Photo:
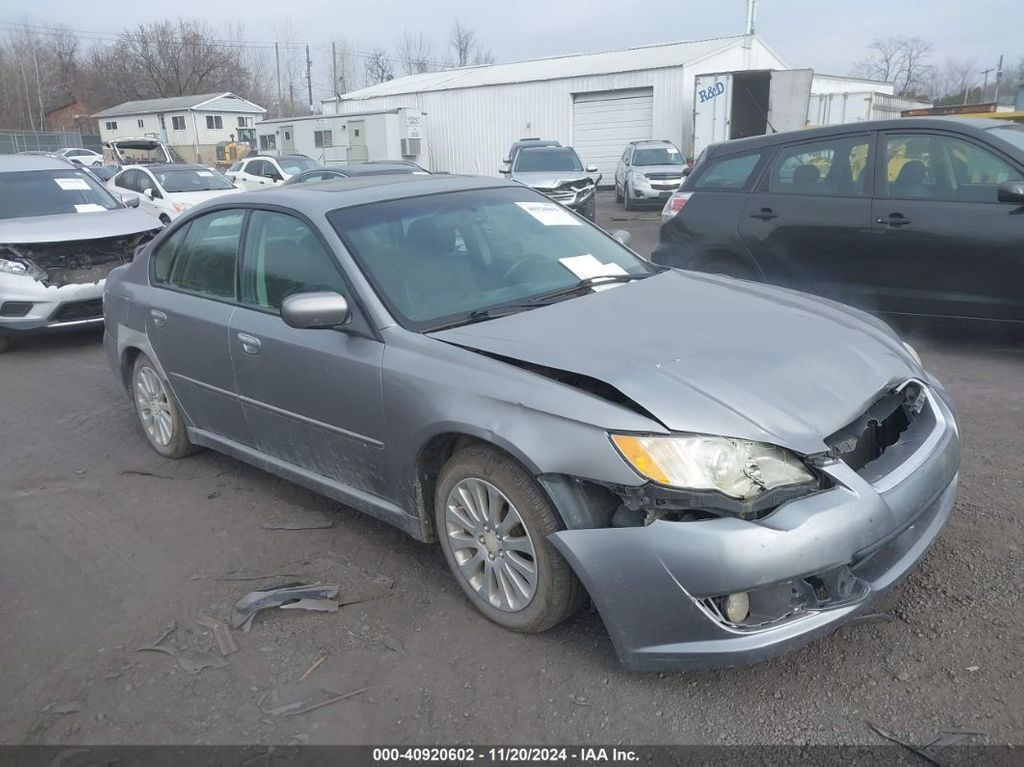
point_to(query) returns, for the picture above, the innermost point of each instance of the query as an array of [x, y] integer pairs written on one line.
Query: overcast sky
[[827, 35]]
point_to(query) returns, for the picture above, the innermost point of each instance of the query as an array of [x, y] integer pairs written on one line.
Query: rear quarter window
[[727, 173]]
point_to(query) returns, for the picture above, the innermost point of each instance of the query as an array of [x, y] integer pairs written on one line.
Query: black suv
[[920, 216]]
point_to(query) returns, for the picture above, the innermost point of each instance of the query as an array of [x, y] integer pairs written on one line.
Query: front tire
[[493, 521], [618, 195], [157, 411], [5, 343], [630, 205]]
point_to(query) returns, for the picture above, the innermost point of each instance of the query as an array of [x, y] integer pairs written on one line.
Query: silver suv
[[648, 171]]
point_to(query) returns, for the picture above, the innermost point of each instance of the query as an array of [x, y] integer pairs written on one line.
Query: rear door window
[[835, 167], [205, 263], [728, 173]]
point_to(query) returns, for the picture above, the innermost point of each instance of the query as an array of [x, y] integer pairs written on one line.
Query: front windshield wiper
[[585, 284]]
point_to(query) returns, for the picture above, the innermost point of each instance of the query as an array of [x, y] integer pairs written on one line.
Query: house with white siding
[[191, 125]]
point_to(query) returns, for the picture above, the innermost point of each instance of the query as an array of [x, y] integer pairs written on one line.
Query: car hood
[[194, 198], [549, 180], [76, 226], [673, 170], [712, 355]]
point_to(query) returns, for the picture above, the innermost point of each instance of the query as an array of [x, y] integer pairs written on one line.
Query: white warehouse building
[[596, 102]]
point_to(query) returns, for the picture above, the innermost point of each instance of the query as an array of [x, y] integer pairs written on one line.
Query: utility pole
[[277, 58], [999, 76], [39, 90], [309, 79], [984, 87], [334, 69]]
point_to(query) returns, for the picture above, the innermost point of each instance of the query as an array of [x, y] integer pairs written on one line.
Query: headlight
[[734, 467], [13, 267], [180, 207], [913, 353], [637, 178]]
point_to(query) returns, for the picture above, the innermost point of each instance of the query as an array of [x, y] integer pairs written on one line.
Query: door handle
[[765, 214], [893, 219], [159, 318], [250, 344]]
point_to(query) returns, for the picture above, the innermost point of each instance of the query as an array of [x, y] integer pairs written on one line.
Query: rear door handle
[[159, 318], [893, 219], [250, 344], [765, 214]]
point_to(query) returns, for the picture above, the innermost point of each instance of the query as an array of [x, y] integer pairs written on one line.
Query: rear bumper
[[652, 584]]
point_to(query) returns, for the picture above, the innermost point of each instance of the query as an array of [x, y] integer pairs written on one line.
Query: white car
[[262, 171], [168, 190], [80, 155]]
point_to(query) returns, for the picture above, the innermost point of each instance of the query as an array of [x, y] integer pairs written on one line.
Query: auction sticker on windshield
[[72, 184], [586, 266], [549, 213], [205, 173]]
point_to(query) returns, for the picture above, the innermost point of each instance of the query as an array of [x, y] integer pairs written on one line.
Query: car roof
[[652, 141], [368, 169], [320, 197], [19, 162], [170, 166], [973, 125]]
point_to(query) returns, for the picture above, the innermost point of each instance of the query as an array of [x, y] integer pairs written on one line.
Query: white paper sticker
[[72, 184], [586, 266], [549, 213], [89, 207], [205, 173]]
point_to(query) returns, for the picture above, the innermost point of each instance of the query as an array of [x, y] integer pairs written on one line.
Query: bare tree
[[899, 60], [414, 53], [952, 80], [462, 40], [482, 56], [379, 68]]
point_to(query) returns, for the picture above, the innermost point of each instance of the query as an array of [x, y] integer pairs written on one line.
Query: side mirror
[[505, 169], [130, 201], [1012, 192], [591, 169], [148, 191], [315, 310], [622, 237], [686, 171], [273, 175]]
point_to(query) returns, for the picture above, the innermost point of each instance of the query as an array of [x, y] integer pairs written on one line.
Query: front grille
[[79, 310], [560, 196], [867, 438], [15, 308]]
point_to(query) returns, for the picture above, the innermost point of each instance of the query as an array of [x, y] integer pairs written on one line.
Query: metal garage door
[[603, 123]]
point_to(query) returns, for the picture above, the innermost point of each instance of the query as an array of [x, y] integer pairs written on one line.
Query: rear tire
[[493, 521], [157, 411]]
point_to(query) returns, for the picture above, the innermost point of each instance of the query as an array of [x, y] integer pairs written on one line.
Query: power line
[[263, 45]]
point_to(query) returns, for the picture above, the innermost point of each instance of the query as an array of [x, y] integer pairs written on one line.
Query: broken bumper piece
[[805, 569]]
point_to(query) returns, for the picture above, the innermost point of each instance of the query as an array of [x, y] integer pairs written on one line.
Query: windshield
[[140, 152], [191, 180], [293, 165], [662, 155], [435, 259], [1013, 134], [547, 159], [51, 192]]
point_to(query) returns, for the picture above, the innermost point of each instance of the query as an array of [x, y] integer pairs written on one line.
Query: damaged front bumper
[[26, 305], [806, 568]]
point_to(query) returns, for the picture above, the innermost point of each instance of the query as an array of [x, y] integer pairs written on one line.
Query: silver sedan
[[727, 469]]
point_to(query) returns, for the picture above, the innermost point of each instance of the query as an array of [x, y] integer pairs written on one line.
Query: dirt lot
[[103, 544]]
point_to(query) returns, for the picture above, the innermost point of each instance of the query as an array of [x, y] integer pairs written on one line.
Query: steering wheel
[[527, 259]]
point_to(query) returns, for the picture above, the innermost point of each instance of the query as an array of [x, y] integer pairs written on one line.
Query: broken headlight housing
[[22, 269], [736, 468]]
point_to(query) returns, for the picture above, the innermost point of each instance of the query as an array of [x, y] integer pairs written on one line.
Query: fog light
[[737, 607]]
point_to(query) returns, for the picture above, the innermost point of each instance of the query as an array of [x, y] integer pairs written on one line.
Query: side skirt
[[370, 504]]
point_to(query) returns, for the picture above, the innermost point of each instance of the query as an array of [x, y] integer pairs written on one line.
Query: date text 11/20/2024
[[503, 754]]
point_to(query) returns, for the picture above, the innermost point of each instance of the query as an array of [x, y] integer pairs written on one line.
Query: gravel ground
[[103, 545]]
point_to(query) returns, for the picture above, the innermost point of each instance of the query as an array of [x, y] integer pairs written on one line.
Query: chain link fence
[[12, 142]]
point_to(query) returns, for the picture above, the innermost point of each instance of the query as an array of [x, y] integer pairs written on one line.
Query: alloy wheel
[[154, 406], [491, 545]]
